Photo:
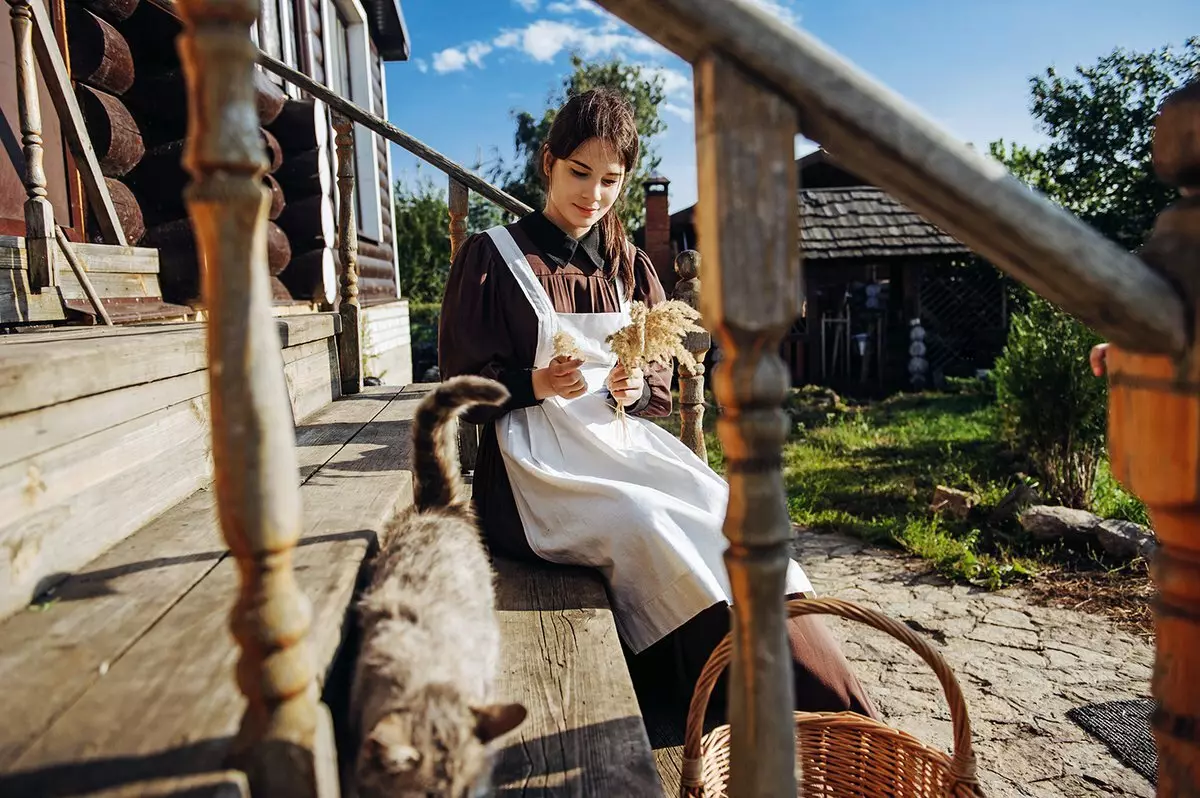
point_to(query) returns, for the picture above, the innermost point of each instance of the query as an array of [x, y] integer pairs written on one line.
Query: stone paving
[[1021, 668]]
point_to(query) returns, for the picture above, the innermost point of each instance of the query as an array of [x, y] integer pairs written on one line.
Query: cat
[[430, 638]]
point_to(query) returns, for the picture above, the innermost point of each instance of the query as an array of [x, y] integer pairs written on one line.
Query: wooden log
[[1154, 447], [691, 380], [306, 172], [279, 250], [39, 214], [278, 201], [113, 10], [745, 140], [269, 98], [376, 287], [285, 742], [113, 132], [309, 223], [875, 134], [370, 250], [100, 55], [160, 99], [301, 126], [152, 33], [350, 340], [178, 236], [312, 276], [376, 269], [274, 151], [129, 211]]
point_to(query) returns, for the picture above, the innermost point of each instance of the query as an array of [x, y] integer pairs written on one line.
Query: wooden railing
[[759, 83]]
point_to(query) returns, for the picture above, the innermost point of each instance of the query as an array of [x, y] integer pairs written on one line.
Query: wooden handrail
[[874, 133]]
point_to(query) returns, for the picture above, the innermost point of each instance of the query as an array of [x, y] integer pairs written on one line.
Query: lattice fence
[[964, 309]]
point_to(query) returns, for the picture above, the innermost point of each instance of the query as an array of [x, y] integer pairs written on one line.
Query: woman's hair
[[606, 115]]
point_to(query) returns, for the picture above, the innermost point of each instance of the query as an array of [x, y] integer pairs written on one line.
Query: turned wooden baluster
[[285, 741], [691, 381], [745, 139], [39, 213], [350, 340], [460, 197], [1154, 444]]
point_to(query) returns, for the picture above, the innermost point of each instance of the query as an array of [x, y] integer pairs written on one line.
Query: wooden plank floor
[[129, 675], [562, 659]]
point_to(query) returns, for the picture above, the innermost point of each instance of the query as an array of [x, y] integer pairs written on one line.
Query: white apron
[[630, 500]]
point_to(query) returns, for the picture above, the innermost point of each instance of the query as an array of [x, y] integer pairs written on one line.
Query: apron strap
[[547, 319]]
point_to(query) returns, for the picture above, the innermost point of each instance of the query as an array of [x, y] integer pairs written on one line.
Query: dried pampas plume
[[564, 345], [656, 334]]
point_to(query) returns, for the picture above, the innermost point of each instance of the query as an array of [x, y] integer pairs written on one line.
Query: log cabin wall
[[129, 83]]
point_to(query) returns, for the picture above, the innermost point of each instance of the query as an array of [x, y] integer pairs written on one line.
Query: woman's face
[[583, 186]]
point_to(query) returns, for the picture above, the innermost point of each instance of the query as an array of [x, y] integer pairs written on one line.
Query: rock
[[1048, 523], [953, 502], [1017, 500], [1125, 539]]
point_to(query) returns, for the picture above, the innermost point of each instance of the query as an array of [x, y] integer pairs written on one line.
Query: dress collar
[[549, 238]]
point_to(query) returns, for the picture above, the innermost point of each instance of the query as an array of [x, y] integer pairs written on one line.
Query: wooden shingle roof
[[865, 222]]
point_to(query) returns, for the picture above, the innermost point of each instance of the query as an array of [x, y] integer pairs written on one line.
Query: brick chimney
[[658, 230]]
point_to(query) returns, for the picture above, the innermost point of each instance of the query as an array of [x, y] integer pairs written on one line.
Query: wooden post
[[350, 341], [691, 382], [460, 200], [39, 213], [1154, 445], [285, 743], [745, 139]]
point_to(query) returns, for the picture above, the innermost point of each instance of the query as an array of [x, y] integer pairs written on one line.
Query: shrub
[[1052, 408], [423, 327]]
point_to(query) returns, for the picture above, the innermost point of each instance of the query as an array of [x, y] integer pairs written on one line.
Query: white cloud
[[779, 8], [546, 38], [683, 112], [455, 59], [674, 83], [528, 5], [573, 6], [422, 65]]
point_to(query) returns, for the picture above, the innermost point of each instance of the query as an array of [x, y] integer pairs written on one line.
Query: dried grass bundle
[[564, 345], [655, 334]]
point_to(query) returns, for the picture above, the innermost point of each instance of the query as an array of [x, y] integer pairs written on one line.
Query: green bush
[[1052, 408]]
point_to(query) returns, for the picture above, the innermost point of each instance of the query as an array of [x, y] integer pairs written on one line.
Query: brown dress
[[488, 328]]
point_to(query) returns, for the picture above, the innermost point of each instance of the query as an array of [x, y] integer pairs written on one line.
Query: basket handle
[[962, 766]]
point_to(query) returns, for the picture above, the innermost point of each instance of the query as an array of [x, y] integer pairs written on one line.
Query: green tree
[[1100, 124], [643, 88], [422, 240]]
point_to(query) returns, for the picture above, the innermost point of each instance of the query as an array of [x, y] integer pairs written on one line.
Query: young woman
[[558, 475]]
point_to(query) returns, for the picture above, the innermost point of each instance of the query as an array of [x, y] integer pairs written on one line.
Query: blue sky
[[964, 63]]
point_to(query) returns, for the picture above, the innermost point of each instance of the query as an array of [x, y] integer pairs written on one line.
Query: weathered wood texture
[[691, 380], [312, 276], [115, 10], [146, 690], [113, 131], [115, 272], [1154, 446], [747, 220], [562, 659], [350, 341], [39, 214], [877, 135], [85, 282], [129, 210], [277, 202], [54, 72], [100, 55], [459, 204]]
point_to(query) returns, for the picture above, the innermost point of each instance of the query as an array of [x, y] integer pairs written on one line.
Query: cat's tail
[[435, 446]]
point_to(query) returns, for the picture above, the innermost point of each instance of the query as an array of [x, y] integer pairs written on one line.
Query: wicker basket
[[842, 754]]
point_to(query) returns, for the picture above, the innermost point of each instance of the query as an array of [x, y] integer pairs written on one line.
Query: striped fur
[[435, 445]]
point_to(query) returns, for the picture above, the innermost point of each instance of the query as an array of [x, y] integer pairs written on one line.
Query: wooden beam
[[350, 341], [691, 381], [54, 72], [285, 741], [874, 133], [1154, 447], [745, 140]]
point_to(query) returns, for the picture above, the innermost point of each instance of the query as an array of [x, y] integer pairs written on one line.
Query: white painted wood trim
[[391, 182]]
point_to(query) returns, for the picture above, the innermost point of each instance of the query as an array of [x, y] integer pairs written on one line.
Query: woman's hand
[[625, 387], [1099, 359], [561, 378]]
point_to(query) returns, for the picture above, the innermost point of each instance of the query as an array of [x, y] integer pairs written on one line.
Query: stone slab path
[[1021, 667]]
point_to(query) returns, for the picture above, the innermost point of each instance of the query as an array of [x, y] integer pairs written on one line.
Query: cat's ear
[[497, 719], [388, 746]]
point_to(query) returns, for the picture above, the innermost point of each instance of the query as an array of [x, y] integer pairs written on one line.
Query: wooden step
[[104, 429], [562, 659], [125, 673]]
